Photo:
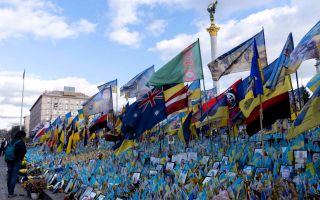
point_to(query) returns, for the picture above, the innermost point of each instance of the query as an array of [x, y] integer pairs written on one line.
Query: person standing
[[14, 155]]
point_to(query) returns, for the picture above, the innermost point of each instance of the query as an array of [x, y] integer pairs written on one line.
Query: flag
[[186, 128], [99, 103], [209, 94], [143, 114], [256, 73], [308, 48], [175, 97], [80, 114], [314, 83], [218, 114], [239, 58], [110, 84], [281, 64], [234, 94], [308, 117], [185, 67], [275, 104], [67, 118], [40, 132], [86, 136], [194, 93], [123, 145], [101, 123], [70, 141], [136, 87]]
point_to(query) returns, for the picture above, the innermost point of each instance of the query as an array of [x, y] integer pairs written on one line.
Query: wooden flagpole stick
[[298, 90], [293, 97], [261, 122]]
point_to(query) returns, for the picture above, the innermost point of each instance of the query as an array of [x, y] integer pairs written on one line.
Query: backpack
[[9, 155]]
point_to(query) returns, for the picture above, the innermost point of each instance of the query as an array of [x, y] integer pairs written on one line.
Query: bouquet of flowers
[[35, 185]]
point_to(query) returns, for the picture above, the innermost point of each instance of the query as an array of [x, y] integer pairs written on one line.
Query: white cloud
[[11, 86], [298, 17], [157, 27], [125, 37], [40, 18]]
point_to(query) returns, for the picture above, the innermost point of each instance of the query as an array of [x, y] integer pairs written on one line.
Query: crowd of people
[[207, 168]]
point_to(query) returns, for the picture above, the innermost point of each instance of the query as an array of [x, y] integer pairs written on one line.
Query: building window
[[55, 106]]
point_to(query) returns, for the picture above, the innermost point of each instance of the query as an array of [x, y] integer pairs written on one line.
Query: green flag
[[185, 67]]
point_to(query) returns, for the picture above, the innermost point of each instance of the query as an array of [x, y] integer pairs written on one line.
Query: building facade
[[26, 125], [52, 104]]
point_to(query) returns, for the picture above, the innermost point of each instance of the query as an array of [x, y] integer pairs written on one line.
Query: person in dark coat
[[14, 166]]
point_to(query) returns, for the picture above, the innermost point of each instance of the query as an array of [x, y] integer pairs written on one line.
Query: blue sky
[[84, 43]]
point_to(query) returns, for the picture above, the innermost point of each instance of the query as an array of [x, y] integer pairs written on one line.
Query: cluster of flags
[[175, 88]]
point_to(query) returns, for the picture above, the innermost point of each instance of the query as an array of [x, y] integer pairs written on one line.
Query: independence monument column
[[213, 31]]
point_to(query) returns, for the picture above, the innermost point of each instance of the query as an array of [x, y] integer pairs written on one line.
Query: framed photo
[[135, 177], [154, 160], [45, 173], [206, 180], [192, 156], [53, 180], [169, 165], [86, 193], [205, 159], [285, 171], [248, 169], [69, 185], [225, 159], [261, 170], [170, 139], [80, 191], [212, 172], [315, 156], [93, 195], [300, 159], [49, 177], [183, 176], [153, 172], [216, 165], [258, 150], [159, 168], [57, 186], [101, 197]]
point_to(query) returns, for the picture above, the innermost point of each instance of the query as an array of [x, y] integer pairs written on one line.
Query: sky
[[85, 43]]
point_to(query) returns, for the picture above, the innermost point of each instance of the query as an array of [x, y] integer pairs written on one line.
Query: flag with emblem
[[184, 67], [143, 114]]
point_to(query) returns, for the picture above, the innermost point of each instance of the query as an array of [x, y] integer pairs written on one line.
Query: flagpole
[[298, 90], [22, 95], [117, 97], [293, 97], [261, 122]]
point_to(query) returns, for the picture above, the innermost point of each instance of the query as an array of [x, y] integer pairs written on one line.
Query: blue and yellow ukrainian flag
[[314, 83]]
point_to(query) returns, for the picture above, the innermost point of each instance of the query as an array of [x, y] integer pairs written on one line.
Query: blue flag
[[136, 87], [186, 128], [99, 103], [112, 84], [143, 114], [282, 61], [256, 73]]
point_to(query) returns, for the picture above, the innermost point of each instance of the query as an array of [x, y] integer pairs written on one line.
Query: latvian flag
[[176, 97]]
